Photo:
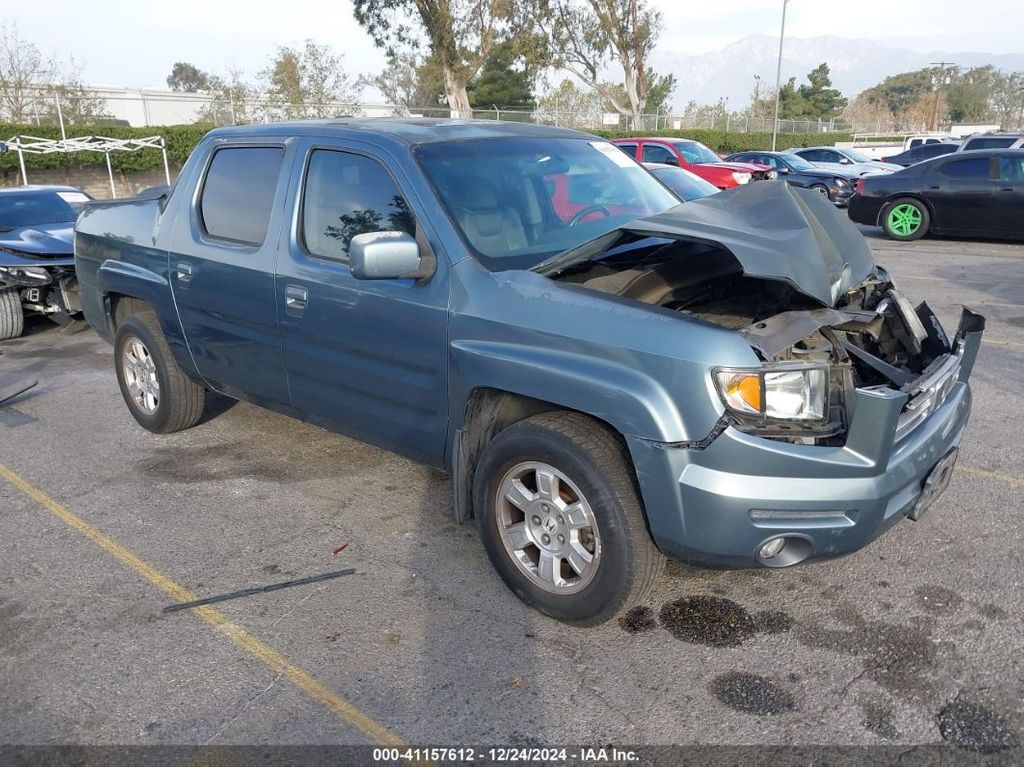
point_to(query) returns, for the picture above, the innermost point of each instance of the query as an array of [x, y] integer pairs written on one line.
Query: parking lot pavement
[[424, 641]]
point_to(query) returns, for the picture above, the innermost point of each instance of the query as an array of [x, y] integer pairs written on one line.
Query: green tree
[[188, 78], [500, 83], [660, 92], [819, 99], [460, 33], [310, 82]]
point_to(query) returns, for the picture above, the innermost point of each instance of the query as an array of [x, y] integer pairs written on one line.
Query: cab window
[[348, 194], [238, 193]]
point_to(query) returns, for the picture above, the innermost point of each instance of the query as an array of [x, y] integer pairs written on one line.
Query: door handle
[[1006, 189], [184, 272], [934, 186], [295, 299]]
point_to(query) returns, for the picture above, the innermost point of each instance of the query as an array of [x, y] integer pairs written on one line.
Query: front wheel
[[561, 519], [12, 319], [820, 189], [158, 393], [905, 219]]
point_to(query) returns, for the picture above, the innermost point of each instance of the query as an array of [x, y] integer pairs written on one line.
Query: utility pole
[[778, 76], [938, 89]]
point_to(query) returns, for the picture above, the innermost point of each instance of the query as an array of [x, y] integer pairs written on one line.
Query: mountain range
[[855, 65]]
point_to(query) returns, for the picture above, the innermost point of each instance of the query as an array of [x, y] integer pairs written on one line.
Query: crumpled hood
[[775, 231], [42, 239], [741, 167]]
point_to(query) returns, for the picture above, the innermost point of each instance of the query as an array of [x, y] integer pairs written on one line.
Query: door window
[[345, 195], [629, 149], [238, 193], [1011, 168], [657, 153], [975, 167], [813, 155]]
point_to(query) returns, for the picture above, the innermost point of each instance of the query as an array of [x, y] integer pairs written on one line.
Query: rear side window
[[629, 149], [990, 142], [345, 195], [238, 193], [976, 167]]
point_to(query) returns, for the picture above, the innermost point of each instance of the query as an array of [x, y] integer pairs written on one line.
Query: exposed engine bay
[[871, 337]]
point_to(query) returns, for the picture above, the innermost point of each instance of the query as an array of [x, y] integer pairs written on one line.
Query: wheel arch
[[489, 411]]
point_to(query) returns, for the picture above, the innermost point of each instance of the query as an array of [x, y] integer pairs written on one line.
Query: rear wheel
[[905, 219], [12, 319], [158, 393], [561, 518]]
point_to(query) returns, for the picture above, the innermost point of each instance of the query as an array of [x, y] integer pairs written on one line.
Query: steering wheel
[[587, 211]]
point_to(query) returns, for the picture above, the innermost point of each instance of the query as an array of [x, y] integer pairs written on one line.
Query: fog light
[[772, 548]]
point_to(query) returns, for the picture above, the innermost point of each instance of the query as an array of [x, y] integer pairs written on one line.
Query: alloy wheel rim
[[548, 528], [140, 376], [905, 219]]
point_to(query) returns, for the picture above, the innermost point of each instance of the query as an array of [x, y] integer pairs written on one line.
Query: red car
[[696, 158]]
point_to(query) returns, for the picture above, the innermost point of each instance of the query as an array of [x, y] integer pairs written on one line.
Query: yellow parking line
[[1013, 482], [274, 660]]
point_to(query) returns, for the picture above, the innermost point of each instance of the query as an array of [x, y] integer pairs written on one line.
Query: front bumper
[[718, 506]]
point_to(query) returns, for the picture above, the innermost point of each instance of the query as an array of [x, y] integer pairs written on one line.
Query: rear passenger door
[[222, 254], [961, 191], [1008, 215], [367, 358]]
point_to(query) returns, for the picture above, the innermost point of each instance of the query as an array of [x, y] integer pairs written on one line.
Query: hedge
[[181, 139]]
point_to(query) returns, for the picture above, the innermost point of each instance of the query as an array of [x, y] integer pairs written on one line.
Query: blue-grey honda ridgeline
[[610, 376]]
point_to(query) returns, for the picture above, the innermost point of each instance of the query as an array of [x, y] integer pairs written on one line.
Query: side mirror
[[845, 161], [783, 170], [387, 256]]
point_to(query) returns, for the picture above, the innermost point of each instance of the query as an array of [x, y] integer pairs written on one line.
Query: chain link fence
[[143, 108]]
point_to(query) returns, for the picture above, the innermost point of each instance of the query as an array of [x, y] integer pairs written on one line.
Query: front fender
[[632, 402]]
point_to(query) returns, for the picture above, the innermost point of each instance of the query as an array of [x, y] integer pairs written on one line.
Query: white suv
[[993, 141]]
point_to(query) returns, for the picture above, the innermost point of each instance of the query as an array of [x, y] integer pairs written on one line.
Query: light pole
[[778, 76], [938, 89]]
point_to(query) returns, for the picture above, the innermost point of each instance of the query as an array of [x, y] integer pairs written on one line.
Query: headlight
[[741, 178], [781, 392], [841, 183], [31, 276]]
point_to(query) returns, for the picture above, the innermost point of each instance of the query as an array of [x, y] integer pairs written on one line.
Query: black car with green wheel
[[975, 194]]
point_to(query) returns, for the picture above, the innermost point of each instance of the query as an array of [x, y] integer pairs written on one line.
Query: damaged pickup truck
[[610, 376]]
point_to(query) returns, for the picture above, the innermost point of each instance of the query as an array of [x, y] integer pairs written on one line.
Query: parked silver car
[[847, 160]]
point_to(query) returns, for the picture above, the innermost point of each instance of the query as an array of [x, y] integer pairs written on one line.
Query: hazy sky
[[135, 44]]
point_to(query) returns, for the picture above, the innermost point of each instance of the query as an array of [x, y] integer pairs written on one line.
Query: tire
[[820, 189], [906, 219], [12, 319], [158, 393], [593, 476]]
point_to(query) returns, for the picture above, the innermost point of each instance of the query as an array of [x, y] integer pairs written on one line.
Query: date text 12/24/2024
[[605, 754]]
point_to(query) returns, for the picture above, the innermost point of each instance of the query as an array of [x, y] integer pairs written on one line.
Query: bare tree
[[587, 35], [460, 33], [24, 71]]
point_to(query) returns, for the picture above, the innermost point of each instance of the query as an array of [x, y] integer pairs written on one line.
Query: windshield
[[696, 153], [796, 162], [856, 156], [18, 209], [685, 184], [519, 201]]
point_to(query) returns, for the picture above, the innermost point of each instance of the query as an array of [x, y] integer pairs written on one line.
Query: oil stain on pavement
[[751, 694], [718, 622], [973, 727]]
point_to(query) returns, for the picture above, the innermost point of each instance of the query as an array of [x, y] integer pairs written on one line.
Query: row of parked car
[[974, 188]]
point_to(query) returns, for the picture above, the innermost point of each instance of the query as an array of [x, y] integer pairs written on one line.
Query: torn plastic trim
[[720, 426]]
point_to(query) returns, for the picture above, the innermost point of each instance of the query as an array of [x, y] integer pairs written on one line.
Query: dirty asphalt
[[916, 639]]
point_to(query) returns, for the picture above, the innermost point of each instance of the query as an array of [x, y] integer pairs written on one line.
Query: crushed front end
[[850, 418]]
